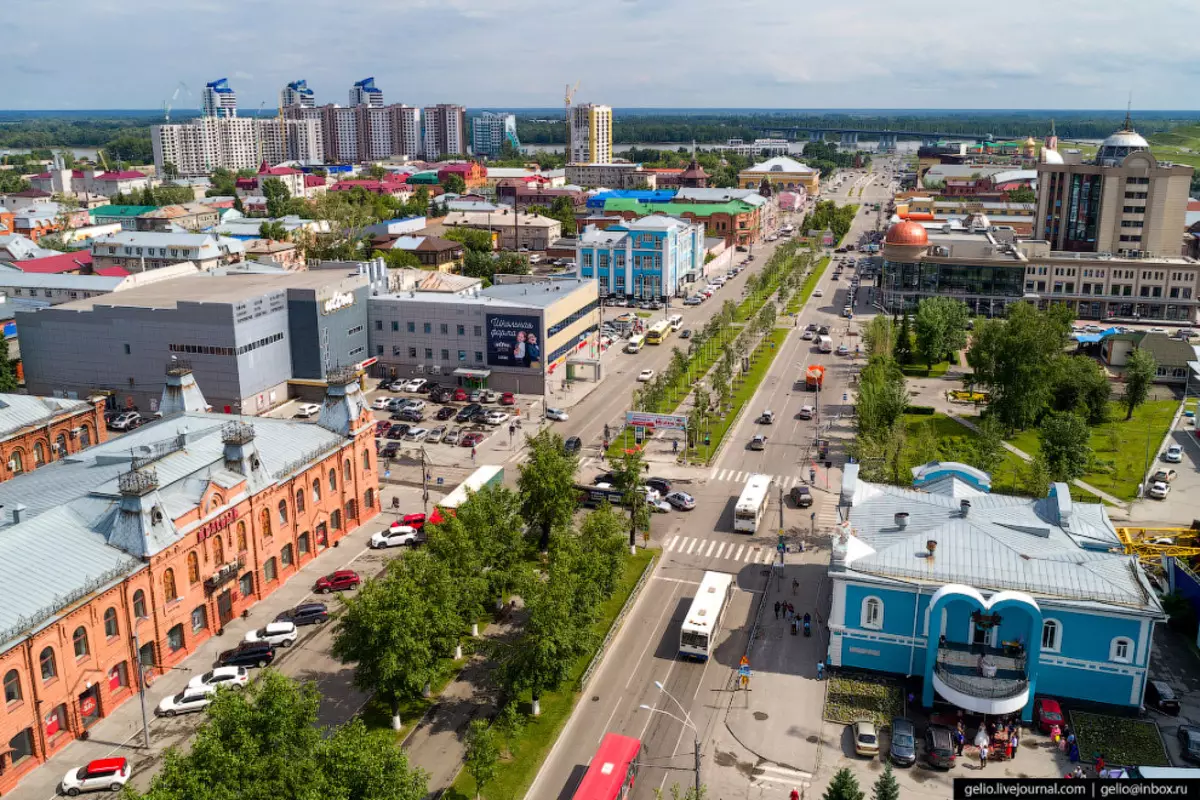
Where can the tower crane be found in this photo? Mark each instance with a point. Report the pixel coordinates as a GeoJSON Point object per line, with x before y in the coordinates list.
{"type": "Point", "coordinates": [171, 102]}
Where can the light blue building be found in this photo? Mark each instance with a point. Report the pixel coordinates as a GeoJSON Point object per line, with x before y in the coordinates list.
{"type": "Point", "coordinates": [595, 202]}
{"type": "Point", "coordinates": [489, 132]}
{"type": "Point", "coordinates": [991, 599]}
{"type": "Point", "coordinates": [651, 258]}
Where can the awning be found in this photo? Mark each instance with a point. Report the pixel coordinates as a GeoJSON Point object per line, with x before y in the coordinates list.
{"type": "Point", "coordinates": [478, 374]}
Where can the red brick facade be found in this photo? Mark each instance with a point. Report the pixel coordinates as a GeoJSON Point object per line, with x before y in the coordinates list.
{"type": "Point", "coordinates": [37, 445]}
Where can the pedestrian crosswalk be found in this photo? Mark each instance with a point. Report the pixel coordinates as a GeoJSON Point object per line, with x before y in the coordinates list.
{"type": "Point", "coordinates": [741, 476]}
{"type": "Point", "coordinates": [784, 776]}
{"type": "Point", "coordinates": [741, 552]}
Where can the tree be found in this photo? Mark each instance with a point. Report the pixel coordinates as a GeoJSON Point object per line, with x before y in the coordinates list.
{"type": "Point", "coordinates": [509, 723]}
{"type": "Point", "coordinates": [1140, 369]}
{"type": "Point", "coordinates": [547, 485]}
{"type": "Point", "coordinates": [482, 754]}
{"type": "Point", "coordinates": [844, 786]}
{"type": "Point", "coordinates": [1022, 195]}
{"type": "Point", "coordinates": [1080, 385]}
{"type": "Point", "coordinates": [988, 445]}
{"type": "Point", "coordinates": [925, 446]}
{"type": "Point", "coordinates": [941, 328]}
{"type": "Point", "coordinates": [11, 181]}
{"type": "Point", "coordinates": [1035, 478]}
{"type": "Point", "coordinates": [456, 545]}
{"type": "Point", "coordinates": [493, 518]}
{"type": "Point", "coordinates": [886, 788]}
{"type": "Point", "coordinates": [1065, 437]}
{"type": "Point", "coordinates": [471, 239]}
{"type": "Point", "coordinates": [272, 229]}
{"type": "Point", "coordinates": [454, 184]}
{"type": "Point", "coordinates": [627, 475]}
{"type": "Point", "coordinates": [563, 210]}
{"type": "Point", "coordinates": [399, 259]}
{"type": "Point", "coordinates": [902, 350]}
{"type": "Point", "coordinates": [148, 197]}
{"type": "Point", "coordinates": [879, 336]}
{"type": "Point", "coordinates": [882, 396]}
{"type": "Point", "coordinates": [277, 195]}
{"type": "Point", "coordinates": [170, 171]}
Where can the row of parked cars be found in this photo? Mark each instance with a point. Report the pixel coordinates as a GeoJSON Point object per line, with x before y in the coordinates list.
{"type": "Point", "coordinates": [715, 285]}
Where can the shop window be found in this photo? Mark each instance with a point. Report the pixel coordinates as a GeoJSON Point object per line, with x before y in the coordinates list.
{"type": "Point", "coordinates": [193, 568]}
{"type": "Point", "coordinates": [20, 747]}
{"type": "Point", "coordinates": [351, 511]}
{"type": "Point", "coordinates": [48, 665]}
{"type": "Point", "coordinates": [299, 501]}
{"type": "Point", "coordinates": [118, 677]}
{"type": "Point", "coordinates": [168, 583]}
{"type": "Point", "coordinates": [79, 641]}
{"type": "Point", "coordinates": [199, 619]}
{"type": "Point", "coordinates": [85, 436]}
{"type": "Point", "coordinates": [61, 441]}
{"type": "Point", "coordinates": [111, 628]}
{"type": "Point", "coordinates": [332, 479]}
{"type": "Point", "coordinates": [17, 461]}
{"type": "Point", "coordinates": [246, 585]}
{"type": "Point", "coordinates": [283, 512]}
{"type": "Point", "coordinates": [12, 686]}
{"type": "Point", "coordinates": [139, 604]}
{"type": "Point", "coordinates": [39, 454]}
{"type": "Point", "coordinates": [269, 569]}
{"type": "Point", "coordinates": [56, 720]}
{"type": "Point", "coordinates": [302, 544]}
{"type": "Point", "coordinates": [175, 638]}
{"type": "Point", "coordinates": [285, 555]}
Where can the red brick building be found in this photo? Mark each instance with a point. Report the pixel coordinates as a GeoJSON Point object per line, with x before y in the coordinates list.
{"type": "Point", "coordinates": [140, 549]}
{"type": "Point", "coordinates": [35, 431]}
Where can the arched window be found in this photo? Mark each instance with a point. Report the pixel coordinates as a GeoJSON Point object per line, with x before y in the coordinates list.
{"type": "Point", "coordinates": [216, 502]}
{"type": "Point", "coordinates": [316, 491]}
{"type": "Point", "coordinates": [139, 604]}
{"type": "Point", "coordinates": [85, 436]}
{"type": "Point", "coordinates": [39, 454]}
{"type": "Point", "coordinates": [872, 613]}
{"type": "Point", "coordinates": [283, 512]}
{"type": "Point", "coordinates": [79, 639]}
{"type": "Point", "coordinates": [48, 665]}
{"type": "Point", "coordinates": [61, 441]}
{"type": "Point", "coordinates": [12, 686]}
{"type": "Point", "coordinates": [111, 628]}
{"type": "Point", "coordinates": [264, 521]}
{"type": "Point", "coordinates": [346, 471]}
{"type": "Point", "coordinates": [193, 567]}
{"type": "Point", "coordinates": [366, 460]}
{"type": "Point", "coordinates": [1051, 636]}
{"type": "Point", "coordinates": [218, 551]}
{"type": "Point", "coordinates": [1121, 650]}
{"type": "Point", "coordinates": [168, 581]}
{"type": "Point", "coordinates": [241, 537]}
{"type": "Point", "coordinates": [17, 461]}
{"type": "Point", "coordinates": [299, 501]}
{"type": "Point", "coordinates": [332, 480]}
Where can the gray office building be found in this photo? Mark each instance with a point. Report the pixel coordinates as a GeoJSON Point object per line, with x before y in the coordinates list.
{"type": "Point", "coordinates": [253, 340]}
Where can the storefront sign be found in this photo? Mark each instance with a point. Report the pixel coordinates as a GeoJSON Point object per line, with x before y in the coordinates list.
{"type": "Point", "coordinates": [337, 302]}
{"type": "Point", "coordinates": [514, 341]}
{"type": "Point", "coordinates": [87, 705]}
{"type": "Point", "coordinates": [215, 526]}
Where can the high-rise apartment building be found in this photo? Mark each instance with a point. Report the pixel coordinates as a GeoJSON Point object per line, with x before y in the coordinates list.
{"type": "Point", "coordinates": [589, 134]}
{"type": "Point", "coordinates": [364, 93]}
{"type": "Point", "coordinates": [489, 132]}
{"type": "Point", "coordinates": [1125, 201]}
{"type": "Point", "coordinates": [204, 144]}
{"type": "Point", "coordinates": [219, 99]}
{"type": "Point", "coordinates": [292, 140]}
{"type": "Point", "coordinates": [445, 130]}
{"type": "Point", "coordinates": [297, 93]}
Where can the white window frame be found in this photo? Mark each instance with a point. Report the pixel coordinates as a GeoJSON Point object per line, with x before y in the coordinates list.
{"type": "Point", "coordinates": [864, 619]}
{"type": "Point", "coordinates": [1058, 635]}
{"type": "Point", "coordinates": [1129, 650]}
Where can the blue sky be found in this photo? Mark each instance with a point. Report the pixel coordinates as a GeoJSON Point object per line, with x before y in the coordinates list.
{"type": "Point", "coordinates": [680, 53]}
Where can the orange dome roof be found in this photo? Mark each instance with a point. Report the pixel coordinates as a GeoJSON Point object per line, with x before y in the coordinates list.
{"type": "Point", "coordinates": [907, 233]}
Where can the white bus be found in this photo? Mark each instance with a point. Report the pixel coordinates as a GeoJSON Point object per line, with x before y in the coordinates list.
{"type": "Point", "coordinates": [698, 634]}
{"type": "Point", "coordinates": [676, 321]}
{"type": "Point", "coordinates": [752, 504]}
{"type": "Point", "coordinates": [635, 343]}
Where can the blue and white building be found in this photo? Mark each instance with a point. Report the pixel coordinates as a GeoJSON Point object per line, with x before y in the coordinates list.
{"type": "Point", "coordinates": [489, 132]}
{"type": "Point", "coordinates": [650, 258]}
{"type": "Point", "coordinates": [991, 599]}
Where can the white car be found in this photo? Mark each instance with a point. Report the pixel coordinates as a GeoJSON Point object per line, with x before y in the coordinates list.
{"type": "Point", "coordinates": [416, 405]}
{"type": "Point", "coordinates": [125, 421]}
{"type": "Point", "coordinates": [435, 435]}
{"type": "Point", "coordinates": [236, 677]}
{"type": "Point", "coordinates": [491, 396]}
{"type": "Point", "coordinates": [415, 385]}
{"type": "Point", "coordinates": [646, 375]}
{"type": "Point", "coordinates": [416, 434]}
{"type": "Point", "coordinates": [807, 336]}
{"type": "Point", "coordinates": [818, 293]}
{"type": "Point", "coordinates": [395, 536]}
{"type": "Point", "coordinates": [280, 634]}
{"type": "Point", "coordinates": [99, 775]}
{"type": "Point", "coordinates": [1159, 490]}
{"type": "Point", "coordinates": [1174, 454]}
{"type": "Point", "coordinates": [806, 412]}
{"type": "Point", "coordinates": [496, 418]}
{"type": "Point", "coordinates": [381, 403]}
{"type": "Point", "coordinates": [308, 410]}
{"type": "Point", "coordinates": [556, 414]}
{"type": "Point", "coordinates": [185, 702]}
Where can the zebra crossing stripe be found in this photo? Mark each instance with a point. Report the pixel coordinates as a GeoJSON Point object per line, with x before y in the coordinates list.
{"type": "Point", "coordinates": [671, 544]}
{"type": "Point", "coordinates": [738, 557]}
{"type": "Point", "coordinates": [721, 549]}
{"type": "Point", "coordinates": [711, 545]}
{"type": "Point", "coordinates": [693, 544]}
{"type": "Point", "coordinates": [751, 554]}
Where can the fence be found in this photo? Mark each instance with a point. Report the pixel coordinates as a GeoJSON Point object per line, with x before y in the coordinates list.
{"type": "Point", "coordinates": [586, 677]}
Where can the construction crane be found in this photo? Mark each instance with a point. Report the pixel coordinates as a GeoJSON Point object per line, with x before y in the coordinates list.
{"type": "Point", "coordinates": [1151, 544]}
{"type": "Point", "coordinates": [171, 102]}
{"type": "Point", "coordinates": [568, 96]}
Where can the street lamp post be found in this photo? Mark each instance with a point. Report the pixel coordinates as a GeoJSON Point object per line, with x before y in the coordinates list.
{"type": "Point", "coordinates": [686, 720]}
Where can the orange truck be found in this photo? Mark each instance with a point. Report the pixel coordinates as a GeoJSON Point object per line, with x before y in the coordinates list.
{"type": "Point", "coordinates": [814, 378]}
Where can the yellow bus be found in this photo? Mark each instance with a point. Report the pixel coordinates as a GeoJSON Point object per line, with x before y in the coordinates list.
{"type": "Point", "coordinates": [658, 331]}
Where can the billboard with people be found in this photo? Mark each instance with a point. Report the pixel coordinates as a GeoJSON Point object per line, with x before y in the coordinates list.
{"type": "Point", "coordinates": [514, 340]}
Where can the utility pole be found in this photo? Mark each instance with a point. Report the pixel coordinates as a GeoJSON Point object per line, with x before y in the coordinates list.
{"type": "Point", "coordinates": [141, 676]}
{"type": "Point", "coordinates": [781, 521]}
{"type": "Point", "coordinates": [424, 484]}
{"type": "Point", "coordinates": [696, 751]}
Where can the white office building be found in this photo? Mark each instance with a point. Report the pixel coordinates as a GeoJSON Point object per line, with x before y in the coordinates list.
{"type": "Point", "coordinates": [365, 93]}
{"type": "Point", "coordinates": [297, 93]}
{"type": "Point", "coordinates": [589, 135]}
{"type": "Point", "coordinates": [219, 99]}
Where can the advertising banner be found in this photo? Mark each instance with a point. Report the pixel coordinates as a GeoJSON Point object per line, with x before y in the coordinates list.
{"type": "Point", "coordinates": [639, 419]}
{"type": "Point", "coordinates": [514, 340]}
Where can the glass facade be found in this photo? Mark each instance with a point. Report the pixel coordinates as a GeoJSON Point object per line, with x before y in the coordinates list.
{"type": "Point", "coordinates": [986, 289]}
{"type": "Point", "coordinates": [1083, 213]}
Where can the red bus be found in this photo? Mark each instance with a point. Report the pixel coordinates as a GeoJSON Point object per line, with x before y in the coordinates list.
{"type": "Point", "coordinates": [613, 769]}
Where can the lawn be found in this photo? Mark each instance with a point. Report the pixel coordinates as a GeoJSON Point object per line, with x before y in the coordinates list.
{"type": "Point", "coordinates": [1121, 447]}
{"type": "Point", "coordinates": [515, 774]}
{"type": "Point", "coordinates": [806, 289]}
{"type": "Point", "coordinates": [848, 699]}
{"type": "Point", "coordinates": [378, 716]}
{"type": "Point", "coordinates": [1121, 740]}
{"type": "Point", "coordinates": [921, 371]}
{"type": "Point", "coordinates": [760, 362]}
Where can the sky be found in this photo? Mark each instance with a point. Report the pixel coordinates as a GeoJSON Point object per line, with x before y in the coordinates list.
{"type": "Point", "coordinates": [625, 53]}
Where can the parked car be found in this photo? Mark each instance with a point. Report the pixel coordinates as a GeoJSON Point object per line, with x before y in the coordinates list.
{"type": "Point", "coordinates": [866, 738]}
{"type": "Point", "coordinates": [306, 410]}
{"type": "Point", "coordinates": [411, 415]}
{"type": "Point", "coordinates": [903, 746]}
{"type": "Point", "coordinates": [1160, 695]}
{"type": "Point", "coordinates": [415, 385]}
{"type": "Point", "coordinates": [399, 403]}
{"type": "Point", "coordinates": [603, 477]}
{"type": "Point", "coordinates": [186, 701]}
{"type": "Point", "coordinates": [382, 427]}
{"type": "Point", "coordinates": [801, 496]}
{"type": "Point", "coordinates": [475, 396]}
{"type": "Point", "coordinates": [660, 485]}
{"type": "Point", "coordinates": [397, 431]}
{"type": "Point", "coordinates": [395, 536]}
{"type": "Point", "coordinates": [337, 581]}
{"type": "Point", "coordinates": [102, 774]}
{"type": "Point", "coordinates": [556, 414]}
{"type": "Point", "coordinates": [381, 403]}
{"type": "Point", "coordinates": [1046, 714]}
{"type": "Point", "coordinates": [1189, 742]}
{"type": "Point", "coordinates": [645, 375]}
{"type": "Point", "coordinates": [248, 654]}
{"type": "Point", "coordinates": [843, 350]}
{"type": "Point", "coordinates": [233, 677]}
{"type": "Point", "coordinates": [806, 412]}
{"type": "Point", "coordinates": [1159, 490]}
{"type": "Point", "coordinates": [304, 614]}
{"type": "Point", "coordinates": [125, 421]}
{"type": "Point", "coordinates": [397, 385]}
{"type": "Point", "coordinates": [472, 439]}
{"type": "Point", "coordinates": [491, 396]}
{"type": "Point", "coordinates": [389, 450]}
{"type": "Point", "coordinates": [495, 418]}
{"type": "Point", "coordinates": [435, 435]}
{"type": "Point", "coordinates": [572, 445]}
{"type": "Point", "coordinates": [416, 434]}
{"type": "Point", "coordinates": [508, 399]}
{"type": "Point", "coordinates": [452, 436]}
{"type": "Point", "coordinates": [445, 413]}
{"type": "Point", "coordinates": [466, 412]}
{"type": "Point", "coordinates": [460, 395]}
{"type": "Point", "coordinates": [693, 301]}
{"type": "Point", "coordinates": [939, 747]}
{"type": "Point", "coordinates": [758, 442]}
{"type": "Point", "coordinates": [1164, 475]}
{"type": "Point", "coordinates": [681, 501]}
{"type": "Point", "coordinates": [1173, 454]}
{"type": "Point", "coordinates": [280, 634]}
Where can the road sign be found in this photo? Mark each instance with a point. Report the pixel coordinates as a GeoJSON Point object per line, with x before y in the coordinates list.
{"type": "Point", "coordinates": [441, 481]}
{"type": "Point", "coordinates": [744, 670]}
{"type": "Point", "coordinates": [744, 662]}
{"type": "Point", "coordinates": [387, 473]}
{"type": "Point", "coordinates": [671, 422]}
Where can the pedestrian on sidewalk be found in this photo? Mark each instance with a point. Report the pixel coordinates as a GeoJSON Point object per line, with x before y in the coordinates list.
{"type": "Point", "coordinates": [795, 585]}
{"type": "Point", "coordinates": [983, 756]}
{"type": "Point", "coordinates": [795, 795]}
{"type": "Point", "coordinates": [960, 740]}
{"type": "Point", "coordinates": [472, 455]}
{"type": "Point", "coordinates": [776, 609]}
{"type": "Point", "coordinates": [820, 670]}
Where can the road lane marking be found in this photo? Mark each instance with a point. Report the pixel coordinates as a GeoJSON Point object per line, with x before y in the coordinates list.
{"type": "Point", "coordinates": [752, 553]}
{"type": "Point", "coordinates": [684, 581]}
{"type": "Point", "coordinates": [671, 544]}
{"type": "Point", "coordinates": [692, 546]}
{"type": "Point", "coordinates": [721, 549]}
{"type": "Point", "coordinates": [711, 545]}
{"type": "Point", "coordinates": [738, 557]}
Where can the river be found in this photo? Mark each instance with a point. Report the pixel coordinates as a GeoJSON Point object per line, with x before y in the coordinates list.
{"type": "Point", "coordinates": [794, 148]}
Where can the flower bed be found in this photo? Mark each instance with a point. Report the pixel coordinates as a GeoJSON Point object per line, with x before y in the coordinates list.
{"type": "Point", "coordinates": [1121, 740]}
{"type": "Point", "coordinates": [853, 698]}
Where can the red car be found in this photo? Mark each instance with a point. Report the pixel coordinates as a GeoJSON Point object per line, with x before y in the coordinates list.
{"type": "Point", "coordinates": [338, 581]}
{"type": "Point", "coordinates": [508, 399]}
{"type": "Point", "coordinates": [381, 427]}
{"type": "Point", "coordinates": [1046, 714]}
{"type": "Point", "coordinates": [412, 520]}
{"type": "Point", "coordinates": [471, 439]}
{"type": "Point", "coordinates": [460, 395]}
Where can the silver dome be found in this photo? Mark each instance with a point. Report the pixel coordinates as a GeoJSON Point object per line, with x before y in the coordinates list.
{"type": "Point", "coordinates": [1120, 144]}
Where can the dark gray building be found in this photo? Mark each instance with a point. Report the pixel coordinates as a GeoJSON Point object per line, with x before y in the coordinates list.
{"type": "Point", "coordinates": [251, 339]}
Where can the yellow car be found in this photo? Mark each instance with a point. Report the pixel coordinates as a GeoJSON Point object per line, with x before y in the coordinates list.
{"type": "Point", "coordinates": [866, 739]}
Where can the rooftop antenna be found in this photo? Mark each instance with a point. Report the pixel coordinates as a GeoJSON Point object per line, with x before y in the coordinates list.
{"type": "Point", "coordinates": [1129, 113]}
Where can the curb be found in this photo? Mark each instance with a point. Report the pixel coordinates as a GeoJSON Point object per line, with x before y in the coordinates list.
{"type": "Point", "coordinates": [613, 629]}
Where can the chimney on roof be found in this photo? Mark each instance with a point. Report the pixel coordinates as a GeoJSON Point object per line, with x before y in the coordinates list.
{"type": "Point", "coordinates": [931, 547]}
{"type": "Point", "coordinates": [965, 507]}
{"type": "Point", "coordinates": [901, 519]}
{"type": "Point", "coordinates": [18, 513]}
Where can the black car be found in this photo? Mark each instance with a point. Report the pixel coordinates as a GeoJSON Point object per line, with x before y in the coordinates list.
{"type": "Point", "coordinates": [479, 416]}
{"type": "Point", "coordinates": [1160, 695]}
{"type": "Point", "coordinates": [466, 412]}
{"type": "Point", "coordinates": [573, 445]}
{"type": "Point", "coordinates": [603, 477]}
{"type": "Point", "coordinates": [903, 747]}
{"type": "Point", "coordinates": [445, 413]}
{"type": "Point", "coordinates": [305, 614]}
{"type": "Point", "coordinates": [801, 496]}
{"type": "Point", "coordinates": [939, 746]}
{"type": "Point", "coordinates": [660, 485]}
{"type": "Point", "coordinates": [686, 333]}
{"type": "Point", "coordinates": [823, 330]}
{"type": "Point", "coordinates": [389, 450]}
{"type": "Point", "coordinates": [1189, 742]}
{"type": "Point", "coordinates": [397, 431]}
{"type": "Point", "coordinates": [248, 654]}
{"type": "Point", "coordinates": [442, 394]}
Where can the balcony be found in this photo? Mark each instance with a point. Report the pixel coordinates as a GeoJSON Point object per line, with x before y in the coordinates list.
{"type": "Point", "coordinates": [985, 680]}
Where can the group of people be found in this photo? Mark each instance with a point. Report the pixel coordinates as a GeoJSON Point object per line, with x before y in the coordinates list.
{"type": "Point", "coordinates": [1064, 740]}
{"type": "Point", "coordinates": [789, 613]}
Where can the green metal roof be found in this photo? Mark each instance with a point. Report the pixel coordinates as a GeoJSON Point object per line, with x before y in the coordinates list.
{"type": "Point", "coordinates": [121, 212]}
{"type": "Point", "coordinates": [423, 178]}
{"type": "Point", "coordinates": [698, 209]}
